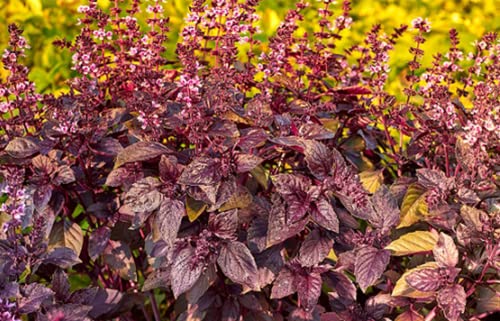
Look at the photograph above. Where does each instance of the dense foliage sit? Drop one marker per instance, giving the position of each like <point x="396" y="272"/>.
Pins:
<point x="276" y="184"/>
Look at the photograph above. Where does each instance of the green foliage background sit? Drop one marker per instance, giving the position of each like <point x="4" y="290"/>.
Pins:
<point x="47" y="20"/>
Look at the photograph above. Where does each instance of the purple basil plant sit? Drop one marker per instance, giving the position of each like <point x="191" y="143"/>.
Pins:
<point x="248" y="181"/>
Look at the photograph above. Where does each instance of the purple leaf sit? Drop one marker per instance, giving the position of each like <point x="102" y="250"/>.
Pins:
<point x="425" y="280"/>
<point x="257" y="234"/>
<point x="246" y="162"/>
<point x="63" y="257"/>
<point x="284" y="284"/>
<point x="168" y="219"/>
<point x="432" y="178"/>
<point x="386" y="212"/>
<point x="139" y="152"/>
<point x="33" y="296"/>
<point x="108" y="146"/>
<point x="344" y="290"/>
<point x="352" y="91"/>
<point x="238" y="264"/>
<point x="269" y="264"/>
<point x="308" y="289"/>
<point x="22" y="147"/>
<point x="445" y="252"/>
<point x="294" y="190"/>
<point x="314" y="249"/>
<point x="452" y="301"/>
<point x="186" y="269"/>
<point x="231" y="310"/>
<point x="225" y="224"/>
<point x="60" y="285"/>
<point x="98" y="241"/>
<point x="168" y="168"/>
<point x="63" y="175"/>
<point x="201" y="286"/>
<point x="369" y="266"/>
<point x="278" y="227"/>
<point x="201" y="171"/>
<point x="318" y="158"/>
<point x="324" y="214"/>
<point x="42" y="196"/>
<point x="143" y="196"/>
<point x="120" y="176"/>
<point x="377" y="306"/>
<point x="157" y="279"/>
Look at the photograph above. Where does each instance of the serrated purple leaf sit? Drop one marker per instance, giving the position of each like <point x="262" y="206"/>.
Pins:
<point x="33" y="296"/>
<point x="425" y="280"/>
<point x="308" y="289"/>
<point x="257" y="234"/>
<point x="269" y="264"/>
<point x="283" y="285"/>
<point x="98" y="241"/>
<point x="168" y="219"/>
<point x="63" y="257"/>
<point x="318" y="158"/>
<point x="185" y="271"/>
<point x="323" y="213"/>
<point x="344" y="290"/>
<point x="314" y="249"/>
<point x="60" y="285"/>
<point x="224" y="224"/>
<point x="278" y="227"/>
<point x="452" y="301"/>
<point x="386" y="212"/>
<point x="238" y="264"/>
<point x="369" y="266"/>
<point x="294" y="190"/>
<point x="246" y="162"/>
<point x="201" y="171"/>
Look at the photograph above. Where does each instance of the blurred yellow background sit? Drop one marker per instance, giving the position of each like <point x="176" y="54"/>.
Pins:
<point x="47" y="20"/>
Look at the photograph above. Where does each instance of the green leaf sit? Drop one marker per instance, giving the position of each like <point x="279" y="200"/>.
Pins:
<point x="404" y="289"/>
<point x="194" y="208"/>
<point x="414" y="206"/>
<point x="411" y="243"/>
<point x="66" y="234"/>
<point x="371" y="180"/>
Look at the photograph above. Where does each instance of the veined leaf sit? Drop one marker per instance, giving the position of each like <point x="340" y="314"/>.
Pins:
<point x="194" y="208"/>
<point x="371" y="180"/>
<point x="402" y="288"/>
<point x="66" y="234"/>
<point x="414" y="206"/>
<point x="414" y="242"/>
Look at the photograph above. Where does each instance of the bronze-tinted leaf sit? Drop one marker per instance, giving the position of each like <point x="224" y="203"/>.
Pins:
<point x="21" y="147"/>
<point x="66" y="234"/>
<point x="139" y="152"/>
<point x="119" y="257"/>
